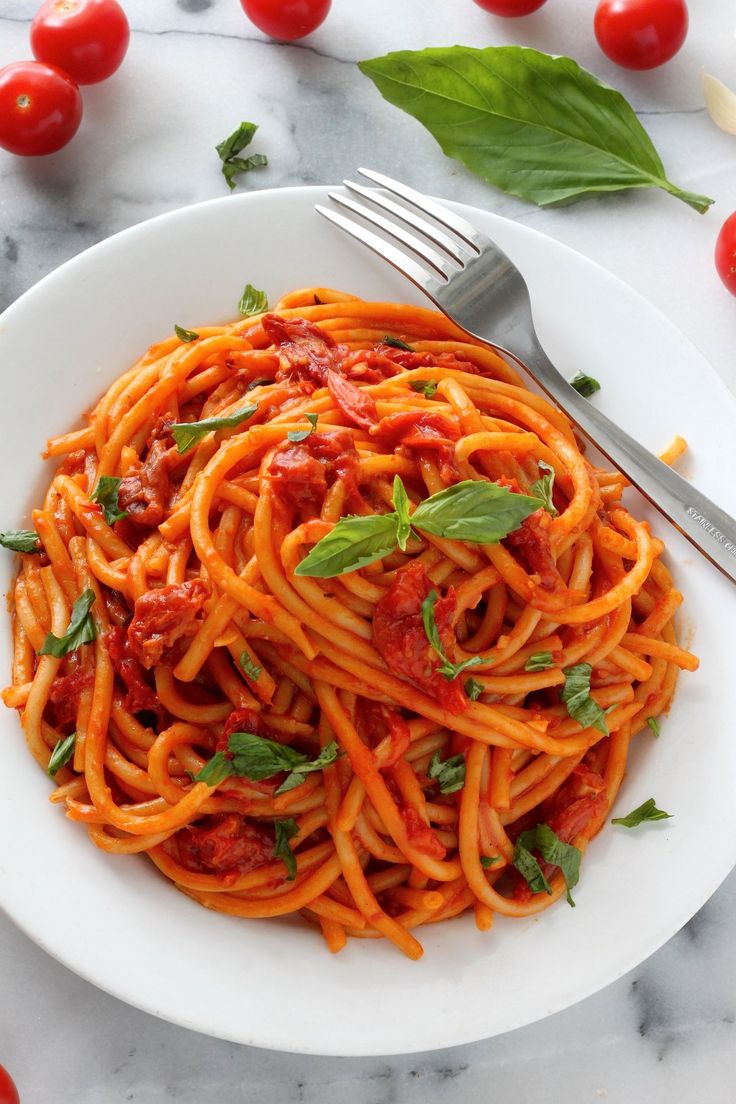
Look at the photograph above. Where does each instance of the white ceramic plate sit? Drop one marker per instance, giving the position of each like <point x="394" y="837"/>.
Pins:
<point x="114" y="920"/>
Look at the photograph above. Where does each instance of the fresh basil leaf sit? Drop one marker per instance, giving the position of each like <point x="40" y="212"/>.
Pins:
<point x="286" y="830"/>
<point x="249" y="667"/>
<point x="189" y="434"/>
<point x="553" y="850"/>
<point x="216" y="770"/>
<point x="450" y="774"/>
<point x="542" y="488"/>
<point x="185" y="335"/>
<point x="539" y="661"/>
<point x="585" y="385"/>
<point x="530" y="869"/>
<point x="62" y="754"/>
<point x="488" y="860"/>
<point x="473" y="689"/>
<point x="447" y="668"/>
<point x="428" y="388"/>
<point x="401" y="506"/>
<point x="474" y="510"/>
<point x="329" y="753"/>
<point x="536" y="126"/>
<point x="106" y="494"/>
<point x="21" y="540"/>
<point x="654" y="725"/>
<point x="645" y="812"/>
<point x="353" y="543"/>
<point x="253" y="301"/>
<point x="302" y="434"/>
<point x="234" y="144"/>
<point x="81" y="629"/>
<point x="576" y="696"/>
<point x="256" y="757"/>
<point x="397" y="343"/>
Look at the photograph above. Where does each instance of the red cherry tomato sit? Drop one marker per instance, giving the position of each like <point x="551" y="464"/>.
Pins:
<point x="641" y="34"/>
<point x="510" y="7"/>
<point x="40" y="108"/>
<point x="8" y="1091"/>
<point x="286" y="19"/>
<point x="726" y="253"/>
<point x="87" y="38"/>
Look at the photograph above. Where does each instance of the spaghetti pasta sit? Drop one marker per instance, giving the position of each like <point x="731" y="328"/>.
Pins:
<point x="272" y="640"/>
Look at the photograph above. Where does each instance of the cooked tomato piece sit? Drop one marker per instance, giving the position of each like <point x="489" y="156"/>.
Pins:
<point x="225" y="843"/>
<point x="409" y="359"/>
<point x="414" y="429"/>
<point x="145" y="492"/>
<point x="369" y="365"/>
<point x="377" y="721"/>
<point x="240" y="720"/>
<point x="301" y="473"/>
<point x="399" y="636"/>
<point x="306" y="351"/>
<point x="531" y="540"/>
<point x="64" y="695"/>
<point x="139" y="697"/>
<point x="580" y="800"/>
<point x="420" y="834"/>
<point x="162" y="616"/>
<point x="356" y="404"/>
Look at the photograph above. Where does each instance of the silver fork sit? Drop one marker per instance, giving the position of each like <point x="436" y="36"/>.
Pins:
<point x="476" y="285"/>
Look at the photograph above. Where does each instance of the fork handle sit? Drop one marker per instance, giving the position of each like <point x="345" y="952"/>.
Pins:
<point x="709" y="528"/>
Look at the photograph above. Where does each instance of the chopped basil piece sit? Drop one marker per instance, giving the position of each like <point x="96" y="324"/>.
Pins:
<point x="317" y="300"/>
<point x="234" y="144"/>
<point x="329" y="753"/>
<point x="450" y="774"/>
<point x="258" y="383"/>
<point x="645" y="812"/>
<point x="106" y="494"/>
<point x="252" y="301"/>
<point x="489" y="860"/>
<point x="216" y="770"/>
<point x="81" y="630"/>
<point x="397" y="343"/>
<point x="585" y="385"/>
<point x="552" y="850"/>
<point x="185" y="335"/>
<point x="473" y="689"/>
<point x="249" y="667"/>
<point x="428" y="388"/>
<point x="539" y="661"/>
<point x="189" y="434"/>
<point x="654" y="725"/>
<point x="576" y="696"/>
<point x="62" y="754"/>
<point x="20" y="540"/>
<point x="542" y="488"/>
<point x="447" y="668"/>
<point x="302" y="434"/>
<point x="286" y="830"/>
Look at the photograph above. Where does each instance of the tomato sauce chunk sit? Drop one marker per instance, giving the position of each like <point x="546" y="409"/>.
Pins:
<point x="413" y="429"/>
<point x="225" y="843"/>
<point x="306" y="351"/>
<point x="301" y="473"/>
<point x="356" y="404"/>
<point x="582" y="799"/>
<point x="399" y="636"/>
<point x="64" y="695"/>
<point x="162" y="616"/>
<point x="145" y="491"/>
<point x="139" y="696"/>
<point x="531" y="540"/>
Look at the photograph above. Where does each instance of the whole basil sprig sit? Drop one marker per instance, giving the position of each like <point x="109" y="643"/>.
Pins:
<point x="474" y="510"/>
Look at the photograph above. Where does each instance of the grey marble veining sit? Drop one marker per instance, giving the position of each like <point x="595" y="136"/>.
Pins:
<point x="664" y="1034"/>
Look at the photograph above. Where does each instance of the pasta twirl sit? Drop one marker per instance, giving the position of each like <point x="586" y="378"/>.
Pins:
<point x="274" y="642"/>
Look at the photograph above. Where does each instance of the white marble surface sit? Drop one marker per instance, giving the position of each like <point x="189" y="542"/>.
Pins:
<point x="664" y="1034"/>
